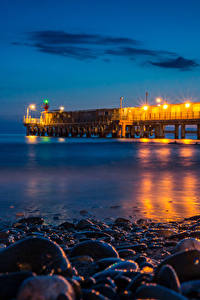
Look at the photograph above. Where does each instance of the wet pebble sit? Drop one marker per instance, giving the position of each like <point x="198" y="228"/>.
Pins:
<point x="95" y="249"/>
<point x="35" y="254"/>
<point x="45" y="287"/>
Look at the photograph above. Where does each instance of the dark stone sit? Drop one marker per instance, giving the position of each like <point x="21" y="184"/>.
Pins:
<point x="191" y="289"/>
<point x="126" y="253"/>
<point x="10" y="283"/>
<point x="67" y="225"/>
<point x="84" y="224"/>
<point x="154" y="291"/>
<point x="35" y="254"/>
<point x="122" y="282"/>
<point x="137" y="281"/>
<point x="95" y="249"/>
<point x="88" y="283"/>
<point x="186" y="264"/>
<point x="106" y="262"/>
<point x="106" y="290"/>
<point x="32" y="221"/>
<point x="168" y="278"/>
<point x="124" y="265"/>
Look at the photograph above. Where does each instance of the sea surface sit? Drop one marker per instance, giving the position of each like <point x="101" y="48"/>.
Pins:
<point x="63" y="179"/>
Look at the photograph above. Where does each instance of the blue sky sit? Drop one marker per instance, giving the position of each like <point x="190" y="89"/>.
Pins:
<point x="86" y="54"/>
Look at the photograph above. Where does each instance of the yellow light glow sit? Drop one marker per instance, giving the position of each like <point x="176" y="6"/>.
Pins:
<point x="32" y="106"/>
<point x="158" y="105"/>
<point x="165" y="106"/>
<point x="145" y="107"/>
<point x="62" y="108"/>
<point x="158" y="100"/>
<point x="187" y="105"/>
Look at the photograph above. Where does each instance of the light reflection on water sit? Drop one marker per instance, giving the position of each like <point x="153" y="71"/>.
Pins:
<point x="60" y="177"/>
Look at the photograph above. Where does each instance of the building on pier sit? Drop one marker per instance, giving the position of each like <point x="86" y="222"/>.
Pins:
<point x="145" y="121"/>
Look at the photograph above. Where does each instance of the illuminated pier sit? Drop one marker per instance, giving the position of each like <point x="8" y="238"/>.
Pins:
<point x="129" y="122"/>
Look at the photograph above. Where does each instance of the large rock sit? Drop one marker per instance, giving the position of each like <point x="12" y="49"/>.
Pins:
<point x="10" y="284"/>
<point x="46" y="288"/>
<point x="187" y="244"/>
<point x="154" y="291"/>
<point x="35" y="254"/>
<point x="167" y="277"/>
<point x="186" y="264"/>
<point x="95" y="249"/>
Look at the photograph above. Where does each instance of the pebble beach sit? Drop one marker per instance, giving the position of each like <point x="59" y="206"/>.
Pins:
<point x="89" y="259"/>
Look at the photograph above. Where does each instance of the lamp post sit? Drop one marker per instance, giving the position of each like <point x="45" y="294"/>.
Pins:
<point x="30" y="107"/>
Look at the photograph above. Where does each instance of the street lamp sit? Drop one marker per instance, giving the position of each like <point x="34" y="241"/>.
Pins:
<point x="30" y="107"/>
<point x="62" y="108"/>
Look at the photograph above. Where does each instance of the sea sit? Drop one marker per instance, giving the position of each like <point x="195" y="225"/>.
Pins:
<point x="66" y="179"/>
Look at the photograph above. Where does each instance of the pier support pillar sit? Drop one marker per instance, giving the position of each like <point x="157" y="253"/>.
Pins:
<point x="159" y="131"/>
<point x="176" y="131"/>
<point x="183" y="131"/>
<point x="123" y="130"/>
<point x="132" y="131"/>
<point x="198" y="131"/>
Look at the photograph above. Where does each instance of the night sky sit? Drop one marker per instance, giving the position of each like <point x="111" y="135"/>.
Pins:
<point x="88" y="53"/>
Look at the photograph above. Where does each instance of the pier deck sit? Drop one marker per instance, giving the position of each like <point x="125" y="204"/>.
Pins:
<point x="128" y="122"/>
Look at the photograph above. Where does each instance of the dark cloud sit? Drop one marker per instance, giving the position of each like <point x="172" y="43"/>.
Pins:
<point x="84" y="46"/>
<point x="132" y="52"/>
<point x="51" y="37"/>
<point x="180" y="63"/>
<point x="75" y="52"/>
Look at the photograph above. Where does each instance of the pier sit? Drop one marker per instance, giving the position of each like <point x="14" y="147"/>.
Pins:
<point x="128" y="122"/>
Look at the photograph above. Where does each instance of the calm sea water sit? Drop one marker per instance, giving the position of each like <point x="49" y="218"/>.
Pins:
<point x="58" y="178"/>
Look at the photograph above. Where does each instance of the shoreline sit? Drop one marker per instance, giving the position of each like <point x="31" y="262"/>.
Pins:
<point x="121" y="259"/>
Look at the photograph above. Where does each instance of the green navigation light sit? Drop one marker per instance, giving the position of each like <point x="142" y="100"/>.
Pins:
<point x="46" y="101"/>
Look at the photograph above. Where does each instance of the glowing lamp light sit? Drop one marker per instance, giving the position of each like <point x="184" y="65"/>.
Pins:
<point x="158" y="100"/>
<point x="46" y="101"/>
<point x="32" y="106"/>
<point x="145" y="107"/>
<point x="187" y="105"/>
<point x="62" y="108"/>
<point x="165" y="106"/>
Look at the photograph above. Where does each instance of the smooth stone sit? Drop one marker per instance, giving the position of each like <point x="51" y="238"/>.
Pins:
<point x="179" y="236"/>
<point x="122" y="282"/>
<point x="186" y="264"/>
<point x="88" y="283"/>
<point x="35" y="254"/>
<point x="67" y="225"/>
<point x="126" y="253"/>
<point x="187" y="244"/>
<point x="32" y="220"/>
<point x="106" y="290"/>
<point x="124" y="265"/>
<point x="164" y="232"/>
<point x="106" y="262"/>
<point x="10" y="283"/>
<point x="191" y="288"/>
<point x="155" y="291"/>
<point x="113" y="273"/>
<point x="167" y="277"/>
<point x="84" y="223"/>
<point x="82" y="259"/>
<point x="122" y="222"/>
<point x="95" y="249"/>
<point x="45" y="288"/>
<point x="137" y="281"/>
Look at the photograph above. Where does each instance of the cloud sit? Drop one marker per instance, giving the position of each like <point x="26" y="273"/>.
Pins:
<point x="83" y="46"/>
<point x="52" y="37"/>
<point x="180" y="63"/>
<point x="132" y="52"/>
<point x="75" y="52"/>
